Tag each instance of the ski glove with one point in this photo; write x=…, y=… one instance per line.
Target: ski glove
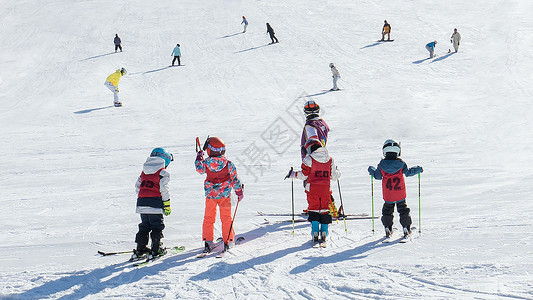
x=418, y=169
x=116, y=90
x=200, y=155
x=371, y=170
x=166, y=209
x=239, y=195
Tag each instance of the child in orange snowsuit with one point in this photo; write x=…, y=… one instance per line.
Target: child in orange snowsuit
x=221, y=178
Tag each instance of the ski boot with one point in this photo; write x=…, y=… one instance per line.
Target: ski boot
x=388, y=232
x=406, y=232
x=208, y=247
x=117, y=104
x=315, y=237
x=140, y=253
x=156, y=254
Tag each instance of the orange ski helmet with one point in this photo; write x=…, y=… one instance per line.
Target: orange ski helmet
x=215, y=147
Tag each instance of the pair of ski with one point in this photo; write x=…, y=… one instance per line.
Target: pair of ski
x=144, y=260
x=403, y=238
x=219, y=242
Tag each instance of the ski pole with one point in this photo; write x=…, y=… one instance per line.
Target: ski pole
x=372, y=188
x=233, y=219
x=292, y=191
x=342, y=205
x=419, y=208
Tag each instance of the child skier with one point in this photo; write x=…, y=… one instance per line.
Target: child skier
x=177, y=54
x=245, y=22
x=153, y=201
x=221, y=178
x=318, y=168
x=112, y=84
x=315, y=127
x=391, y=170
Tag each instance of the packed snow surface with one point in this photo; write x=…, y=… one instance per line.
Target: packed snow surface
x=70, y=159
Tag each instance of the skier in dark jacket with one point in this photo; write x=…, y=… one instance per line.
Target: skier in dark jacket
x=270, y=31
x=118, y=43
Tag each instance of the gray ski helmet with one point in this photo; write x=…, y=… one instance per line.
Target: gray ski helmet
x=392, y=145
x=331, y=65
x=311, y=107
x=123, y=71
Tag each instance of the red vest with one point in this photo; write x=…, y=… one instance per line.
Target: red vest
x=218, y=177
x=393, y=186
x=150, y=185
x=319, y=177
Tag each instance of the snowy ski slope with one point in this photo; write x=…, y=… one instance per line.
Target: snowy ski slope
x=69, y=160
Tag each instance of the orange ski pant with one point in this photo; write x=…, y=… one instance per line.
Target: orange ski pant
x=210, y=215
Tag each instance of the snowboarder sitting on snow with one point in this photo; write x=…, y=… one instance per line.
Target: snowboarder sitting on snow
x=336, y=75
x=153, y=201
x=315, y=128
x=385, y=31
x=221, y=178
x=318, y=168
x=431, y=48
x=391, y=170
x=112, y=84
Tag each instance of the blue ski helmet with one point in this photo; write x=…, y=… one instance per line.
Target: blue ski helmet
x=164, y=154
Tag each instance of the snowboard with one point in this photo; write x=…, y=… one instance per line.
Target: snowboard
x=385, y=40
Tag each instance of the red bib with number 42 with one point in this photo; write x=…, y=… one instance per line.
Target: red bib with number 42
x=393, y=186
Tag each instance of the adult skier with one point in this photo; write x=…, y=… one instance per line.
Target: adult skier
x=385, y=31
x=153, y=202
x=270, y=31
x=431, y=48
x=455, y=39
x=177, y=54
x=245, y=22
x=118, y=43
x=315, y=128
x=336, y=75
x=391, y=170
x=221, y=179
x=318, y=169
x=112, y=84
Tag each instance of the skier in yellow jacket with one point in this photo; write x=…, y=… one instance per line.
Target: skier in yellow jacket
x=112, y=84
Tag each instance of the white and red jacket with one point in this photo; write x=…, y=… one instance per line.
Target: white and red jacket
x=152, y=186
x=318, y=169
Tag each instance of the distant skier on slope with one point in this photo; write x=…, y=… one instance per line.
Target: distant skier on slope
x=270, y=31
x=112, y=84
x=118, y=43
x=318, y=169
x=336, y=75
x=431, y=48
x=177, y=54
x=315, y=127
x=245, y=22
x=455, y=39
x=385, y=31
x=221, y=178
x=391, y=170
x=153, y=201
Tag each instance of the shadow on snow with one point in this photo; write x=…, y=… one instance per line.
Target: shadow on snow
x=253, y=48
x=230, y=35
x=97, y=56
x=92, y=282
x=91, y=109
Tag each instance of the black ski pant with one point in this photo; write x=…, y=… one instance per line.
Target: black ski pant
x=118, y=47
x=273, y=37
x=150, y=223
x=387, y=214
x=178, y=58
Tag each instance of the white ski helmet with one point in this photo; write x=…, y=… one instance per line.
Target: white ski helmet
x=392, y=145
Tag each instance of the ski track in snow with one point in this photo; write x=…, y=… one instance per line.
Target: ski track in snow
x=70, y=159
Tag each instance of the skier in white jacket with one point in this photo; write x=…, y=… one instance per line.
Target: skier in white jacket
x=336, y=75
x=455, y=39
